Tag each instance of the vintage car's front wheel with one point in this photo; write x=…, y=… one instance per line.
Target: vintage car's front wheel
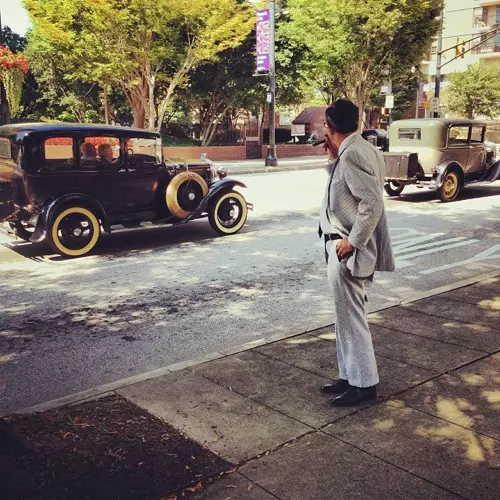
x=74, y=231
x=228, y=213
x=393, y=188
x=451, y=186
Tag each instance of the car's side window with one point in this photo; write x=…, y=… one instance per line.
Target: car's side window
x=477, y=135
x=458, y=136
x=99, y=153
x=59, y=153
x=143, y=152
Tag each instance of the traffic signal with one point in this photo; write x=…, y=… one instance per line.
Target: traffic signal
x=460, y=49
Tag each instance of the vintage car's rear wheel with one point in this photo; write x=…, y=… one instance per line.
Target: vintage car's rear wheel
x=185, y=192
x=74, y=231
x=451, y=186
x=228, y=213
x=393, y=188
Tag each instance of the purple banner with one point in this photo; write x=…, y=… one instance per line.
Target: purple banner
x=263, y=47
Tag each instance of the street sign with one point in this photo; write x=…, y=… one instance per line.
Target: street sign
x=435, y=105
x=389, y=101
x=384, y=89
x=427, y=104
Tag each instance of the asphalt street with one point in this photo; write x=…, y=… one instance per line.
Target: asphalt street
x=156, y=296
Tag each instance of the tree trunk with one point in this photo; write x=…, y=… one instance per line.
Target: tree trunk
x=105, y=103
x=4, y=106
x=152, y=105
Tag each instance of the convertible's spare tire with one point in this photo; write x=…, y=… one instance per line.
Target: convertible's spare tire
x=228, y=212
x=74, y=231
x=185, y=192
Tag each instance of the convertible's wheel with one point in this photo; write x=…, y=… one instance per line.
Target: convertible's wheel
x=228, y=214
x=185, y=192
x=450, y=187
x=393, y=188
x=74, y=231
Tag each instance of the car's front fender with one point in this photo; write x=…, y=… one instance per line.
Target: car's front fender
x=51, y=208
x=215, y=189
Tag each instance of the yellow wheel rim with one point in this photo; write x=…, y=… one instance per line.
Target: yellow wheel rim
x=89, y=246
x=173, y=189
x=244, y=213
x=450, y=185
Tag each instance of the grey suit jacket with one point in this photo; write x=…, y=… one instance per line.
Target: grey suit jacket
x=357, y=206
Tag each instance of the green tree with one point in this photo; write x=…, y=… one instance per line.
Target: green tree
x=354, y=45
x=222, y=89
x=147, y=48
x=475, y=92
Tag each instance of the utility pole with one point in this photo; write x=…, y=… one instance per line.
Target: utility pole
x=271, y=159
x=4, y=105
x=437, y=87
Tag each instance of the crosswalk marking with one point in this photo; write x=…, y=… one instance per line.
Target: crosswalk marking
x=441, y=243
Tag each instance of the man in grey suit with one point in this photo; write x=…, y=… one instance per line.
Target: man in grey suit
x=357, y=243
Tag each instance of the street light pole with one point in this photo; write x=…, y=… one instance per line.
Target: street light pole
x=437, y=86
x=271, y=159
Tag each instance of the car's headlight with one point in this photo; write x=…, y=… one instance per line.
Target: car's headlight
x=222, y=171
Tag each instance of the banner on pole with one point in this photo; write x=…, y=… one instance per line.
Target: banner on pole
x=263, y=46
x=421, y=95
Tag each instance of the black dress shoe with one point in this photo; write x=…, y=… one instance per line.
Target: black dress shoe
x=355, y=396
x=337, y=387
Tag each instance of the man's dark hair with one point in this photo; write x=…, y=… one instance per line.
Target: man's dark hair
x=343, y=116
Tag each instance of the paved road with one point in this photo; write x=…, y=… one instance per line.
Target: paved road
x=157, y=296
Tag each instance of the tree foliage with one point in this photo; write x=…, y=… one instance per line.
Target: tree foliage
x=353, y=46
x=475, y=92
x=147, y=48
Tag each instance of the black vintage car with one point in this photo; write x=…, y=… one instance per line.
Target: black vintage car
x=65, y=183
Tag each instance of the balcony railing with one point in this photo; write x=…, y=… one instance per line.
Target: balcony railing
x=487, y=48
x=486, y=22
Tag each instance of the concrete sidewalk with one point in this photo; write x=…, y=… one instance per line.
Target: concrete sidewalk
x=433, y=433
x=243, y=167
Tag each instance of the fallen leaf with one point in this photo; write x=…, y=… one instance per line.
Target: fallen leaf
x=230, y=471
x=250, y=486
x=66, y=434
x=197, y=487
x=172, y=497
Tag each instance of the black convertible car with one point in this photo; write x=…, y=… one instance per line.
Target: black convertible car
x=65, y=183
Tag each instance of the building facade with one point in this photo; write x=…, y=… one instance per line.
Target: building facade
x=466, y=22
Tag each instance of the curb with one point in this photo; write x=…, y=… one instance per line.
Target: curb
x=272, y=170
x=106, y=389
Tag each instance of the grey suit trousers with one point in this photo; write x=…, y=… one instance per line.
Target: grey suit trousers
x=355, y=355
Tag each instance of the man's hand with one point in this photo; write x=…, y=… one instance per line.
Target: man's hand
x=330, y=148
x=344, y=248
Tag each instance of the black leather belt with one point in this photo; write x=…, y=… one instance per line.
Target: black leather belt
x=333, y=236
